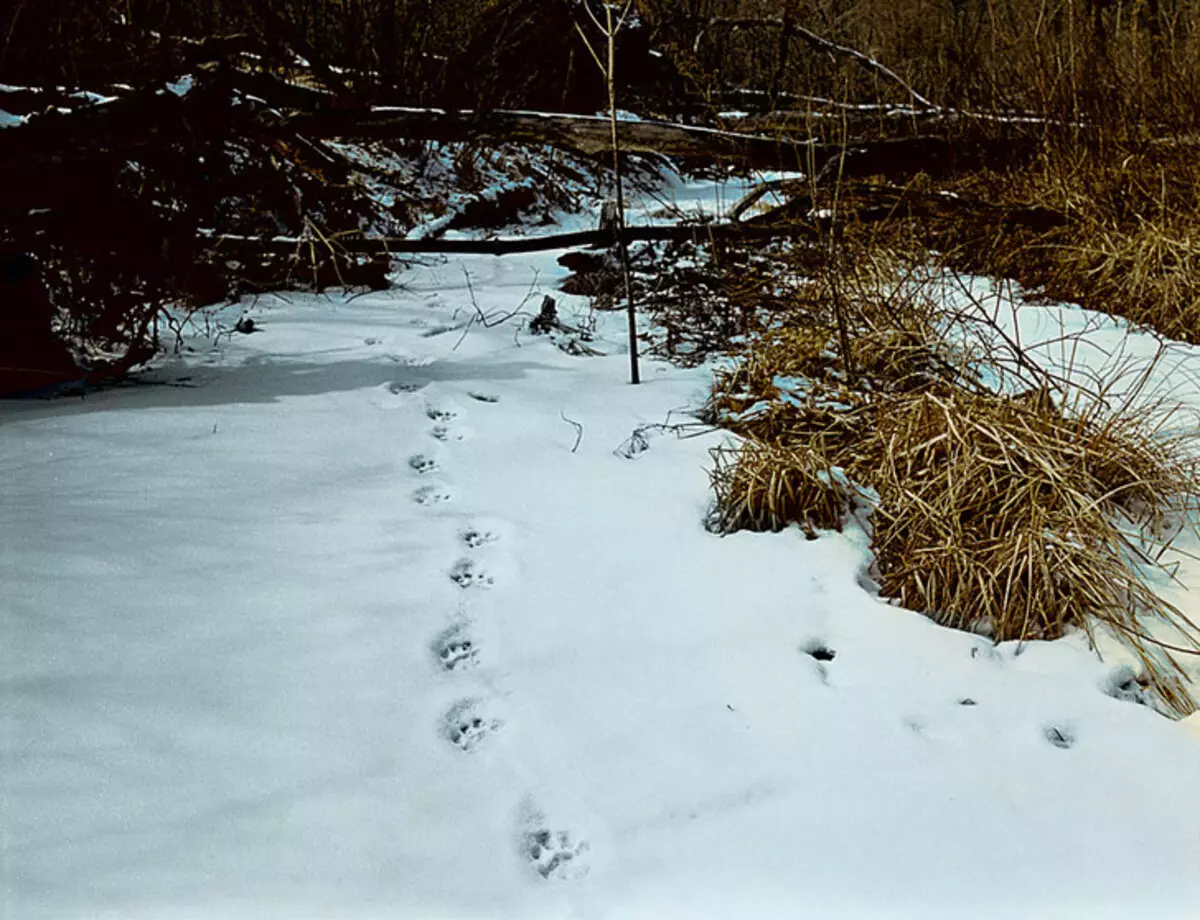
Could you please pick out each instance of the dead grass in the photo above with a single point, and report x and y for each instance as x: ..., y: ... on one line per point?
x: 1016, y: 516
x: 766, y: 487
x: 1130, y: 245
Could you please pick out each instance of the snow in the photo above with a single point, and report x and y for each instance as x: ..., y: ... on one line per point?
x: 345, y: 619
x: 182, y: 86
x: 11, y: 121
x: 91, y: 98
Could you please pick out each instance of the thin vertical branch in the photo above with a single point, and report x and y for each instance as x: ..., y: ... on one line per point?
x: 608, y: 68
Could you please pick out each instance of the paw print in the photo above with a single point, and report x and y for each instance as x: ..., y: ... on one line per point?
x: 467, y: 727
x: 456, y: 650
x: 432, y: 495
x: 466, y: 574
x: 422, y: 464
x: 474, y: 537
x: 554, y: 855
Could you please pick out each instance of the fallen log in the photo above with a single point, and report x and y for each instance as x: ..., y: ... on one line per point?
x: 592, y: 135
x: 375, y: 246
x: 867, y: 203
x: 586, y: 134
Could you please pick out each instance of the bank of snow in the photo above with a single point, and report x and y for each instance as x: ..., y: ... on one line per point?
x: 362, y: 616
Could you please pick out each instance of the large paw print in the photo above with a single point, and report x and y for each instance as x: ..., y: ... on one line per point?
x: 456, y: 650
x: 432, y: 495
x: 475, y: 537
x: 467, y: 726
x: 554, y: 854
x: 466, y: 573
x: 422, y: 464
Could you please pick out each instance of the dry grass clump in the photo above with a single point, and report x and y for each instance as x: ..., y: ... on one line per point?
x: 1007, y: 517
x: 766, y: 487
x: 1014, y: 516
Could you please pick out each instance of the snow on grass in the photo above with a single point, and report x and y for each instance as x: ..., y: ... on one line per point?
x: 345, y: 619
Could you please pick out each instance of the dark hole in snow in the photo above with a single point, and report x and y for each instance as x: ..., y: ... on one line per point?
x: 819, y: 651
x: 966, y: 701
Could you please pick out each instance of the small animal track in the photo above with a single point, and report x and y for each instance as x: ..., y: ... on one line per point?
x: 1124, y: 683
x: 986, y: 652
x: 466, y: 726
x: 475, y: 538
x: 422, y: 464
x: 1059, y: 736
x: 398, y: 387
x: 442, y: 433
x: 554, y: 854
x: 466, y: 574
x: 484, y: 397
x: 432, y: 495
x: 819, y: 651
x: 440, y: 415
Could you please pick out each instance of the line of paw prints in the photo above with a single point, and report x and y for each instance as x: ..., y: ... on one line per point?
x: 470, y: 724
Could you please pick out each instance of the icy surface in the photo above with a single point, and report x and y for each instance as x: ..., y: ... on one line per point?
x: 182, y: 86
x: 362, y: 616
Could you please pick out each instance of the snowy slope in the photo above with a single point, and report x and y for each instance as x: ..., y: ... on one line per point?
x: 344, y: 619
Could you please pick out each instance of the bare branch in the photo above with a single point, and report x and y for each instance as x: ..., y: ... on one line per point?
x: 821, y: 44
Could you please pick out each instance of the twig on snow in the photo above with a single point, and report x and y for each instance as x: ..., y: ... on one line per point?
x: 578, y: 429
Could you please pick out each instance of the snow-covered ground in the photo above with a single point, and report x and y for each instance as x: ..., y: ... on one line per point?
x: 366, y: 615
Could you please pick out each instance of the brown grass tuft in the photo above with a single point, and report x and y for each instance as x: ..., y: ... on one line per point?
x: 1016, y: 516
x: 765, y: 487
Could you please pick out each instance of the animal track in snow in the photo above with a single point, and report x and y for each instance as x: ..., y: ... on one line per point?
x: 432, y: 495
x: 442, y: 433
x: 1059, y: 736
x: 400, y: 387
x: 466, y: 574
x: 440, y: 415
x: 820, y: 653
x: 475, y: 537
x: 467, y: 726
x: 456, y: 650
x: 422, y: 464
x: 554, y: 854
x: 1124, y: 683
x: 484, y: 397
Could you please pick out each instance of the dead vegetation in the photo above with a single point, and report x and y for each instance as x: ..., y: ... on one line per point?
x: 1019, y: 513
